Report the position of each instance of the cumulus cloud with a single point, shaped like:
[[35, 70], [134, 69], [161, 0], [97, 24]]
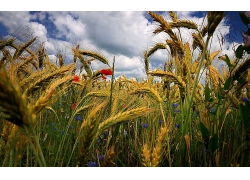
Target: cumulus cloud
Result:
[[123, 34], [67, 25], [14, 19], [39, 30]]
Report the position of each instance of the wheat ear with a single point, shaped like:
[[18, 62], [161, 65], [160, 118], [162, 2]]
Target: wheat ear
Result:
[[14, 105], [157, 151], [43, 100], [121, 117], [95, 55]]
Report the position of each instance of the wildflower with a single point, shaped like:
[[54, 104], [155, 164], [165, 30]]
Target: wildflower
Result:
[[76, 79], [246, 40], [177, 126], [78, 118], [104, 77], [67, 116], [244, 99], [71, 127], [212, 109], [125, 132], [63, 132], [54, 129], [145, 125], [177, 110], [101, 157], [99, 140], [73, 106], [197, 114], [92, 164], [175, 105], [105, 133], [160, 121], [106, 71]]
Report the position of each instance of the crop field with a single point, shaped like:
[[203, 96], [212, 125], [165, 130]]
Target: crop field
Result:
[[51, 116]]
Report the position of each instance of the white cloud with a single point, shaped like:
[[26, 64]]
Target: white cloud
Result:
[[39, 30], [123, 34], [67, 25], [13, 20], [118, 32]]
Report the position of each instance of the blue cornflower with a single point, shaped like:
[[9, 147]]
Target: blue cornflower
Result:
[[177, 110], [99, 140], [92, 164], [175, 105], [78, 118], [212, 109], [125, 132], [197, 114], [161, 121], [63, 132], [71, 127], [101, 157], [54, 129], [145, 125], [244, 99], [177, 126], [105, 133]]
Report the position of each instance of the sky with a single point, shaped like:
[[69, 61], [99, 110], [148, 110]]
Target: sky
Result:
[[125, 34]]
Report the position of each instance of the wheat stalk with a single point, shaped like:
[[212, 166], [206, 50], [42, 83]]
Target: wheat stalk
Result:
[[157, 151], [121, 117], [43, 100], [198, 42], [14, 105], [184, 23], [8, 42], [176, 78], [95, 55], [146, 156], [156, 47], [20, 49], [151, 92], [49, 76]]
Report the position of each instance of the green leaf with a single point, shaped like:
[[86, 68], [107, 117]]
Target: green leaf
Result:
[[245, 115], [228, 61], [213, 143], [207, 93], [204, 131], [244, 18], [239, 51], [228, 83], [242, 78]]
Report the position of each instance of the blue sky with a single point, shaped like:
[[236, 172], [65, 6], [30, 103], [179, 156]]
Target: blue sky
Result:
[[123, 34]]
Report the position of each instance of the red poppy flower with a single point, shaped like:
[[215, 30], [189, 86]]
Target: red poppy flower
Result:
[[104, 77], [73, 106], [76, 79], [106, 71]]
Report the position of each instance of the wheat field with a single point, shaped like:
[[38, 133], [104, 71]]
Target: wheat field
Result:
[[51, 116]]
